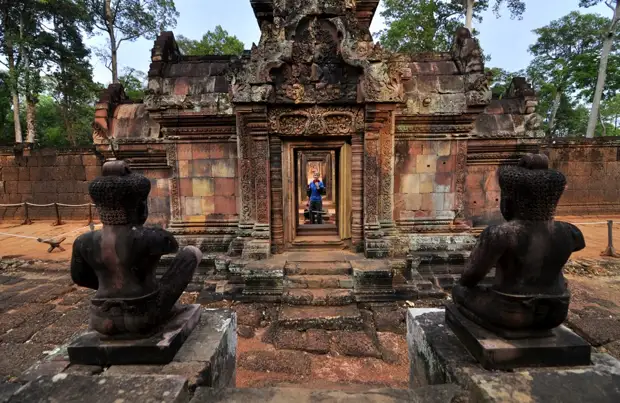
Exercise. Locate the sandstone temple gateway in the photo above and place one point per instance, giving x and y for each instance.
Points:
(408, 145)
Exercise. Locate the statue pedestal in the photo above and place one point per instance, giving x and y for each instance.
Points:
(94, 349)
(562, 348)
(437, 357)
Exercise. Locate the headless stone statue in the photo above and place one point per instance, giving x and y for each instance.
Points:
(529, 296)
(119, 261)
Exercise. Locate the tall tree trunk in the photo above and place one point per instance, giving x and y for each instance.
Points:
(31, 118)
(469, 14)
(14, 95)
(554, 110)
(13, 77)
(109, 19)
(602, 73)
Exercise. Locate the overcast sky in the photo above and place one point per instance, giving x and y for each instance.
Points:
(504, 39)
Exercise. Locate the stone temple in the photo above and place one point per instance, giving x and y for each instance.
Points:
(407, 145)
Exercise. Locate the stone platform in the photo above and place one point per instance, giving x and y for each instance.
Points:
(206, 359)
(562, 348)
(92, 348)
(437, 357)
(79, 388)
(433, 394)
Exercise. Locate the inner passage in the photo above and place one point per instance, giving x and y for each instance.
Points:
(316, 181)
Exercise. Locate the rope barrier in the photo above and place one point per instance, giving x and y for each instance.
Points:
(56, 206)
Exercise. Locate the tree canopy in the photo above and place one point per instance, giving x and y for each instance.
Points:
(216, 42)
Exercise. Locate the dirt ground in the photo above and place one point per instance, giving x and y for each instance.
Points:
(29, 248)
(594, 230)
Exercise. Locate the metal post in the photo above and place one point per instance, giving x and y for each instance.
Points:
(58, 220)
(27, 220)
(610, 251)
(90, 214)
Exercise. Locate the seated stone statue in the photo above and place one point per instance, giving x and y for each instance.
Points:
(119, 261)
(529, 295)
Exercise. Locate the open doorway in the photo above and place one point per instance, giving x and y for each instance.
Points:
(317, 194)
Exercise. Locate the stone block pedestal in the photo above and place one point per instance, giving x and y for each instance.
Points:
(206, 359)
(562, 348)
(94, 349)
(437, 357)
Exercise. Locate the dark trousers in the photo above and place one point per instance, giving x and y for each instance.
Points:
(316, 212)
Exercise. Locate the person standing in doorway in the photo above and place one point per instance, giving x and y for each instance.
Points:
(316, 189)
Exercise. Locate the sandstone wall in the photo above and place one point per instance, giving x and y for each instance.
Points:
(47, 176)
(208, 181)
(425, 179)
(592, 169)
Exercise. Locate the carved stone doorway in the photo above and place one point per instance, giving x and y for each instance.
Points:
(332, 158)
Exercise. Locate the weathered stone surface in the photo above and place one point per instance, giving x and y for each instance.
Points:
(356, 344)
(74, 388)
(92, 349)
(564, 348)
(288, 362)
(320, 317)
(43, 368)
(437, 357)
(390, 319)
(598, 384)
(6, 390)
(207, 358)
(434, 394)
(247, 332)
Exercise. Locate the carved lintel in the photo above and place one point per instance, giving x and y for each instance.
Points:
(316, 120)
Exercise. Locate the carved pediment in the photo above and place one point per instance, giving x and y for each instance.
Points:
(316, 52)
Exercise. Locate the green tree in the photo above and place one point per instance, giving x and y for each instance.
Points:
(128, 20)
(608, 43)
(610, 115)
(516, 7)
(6, 130)
(558, 52)
(501, 79)
(70, 80)
(216, 42)
(429, 25)
(134, 84)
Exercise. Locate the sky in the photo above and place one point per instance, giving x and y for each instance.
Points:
(504, 39)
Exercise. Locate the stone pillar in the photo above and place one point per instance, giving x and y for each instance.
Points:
(253, 240)
(379, 225)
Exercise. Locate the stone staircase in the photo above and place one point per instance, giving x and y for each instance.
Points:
(326, 283)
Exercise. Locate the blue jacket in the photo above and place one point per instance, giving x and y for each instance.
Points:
(315, 194)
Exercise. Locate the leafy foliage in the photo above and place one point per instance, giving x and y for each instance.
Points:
(128, 20)
(429, 25)
(217, 42)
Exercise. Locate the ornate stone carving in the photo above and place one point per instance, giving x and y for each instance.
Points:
(466, 52)
(315, 51)
(175, 201)
(461, 178)
(316, 121)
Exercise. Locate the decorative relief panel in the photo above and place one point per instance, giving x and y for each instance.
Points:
(316, 121)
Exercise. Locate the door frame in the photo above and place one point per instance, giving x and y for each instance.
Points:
(289, 190)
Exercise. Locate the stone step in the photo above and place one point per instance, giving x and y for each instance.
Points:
(319, 297)
(427, 394)
(318, 268)
(318, 281)
(346, 317)
(319, 341)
